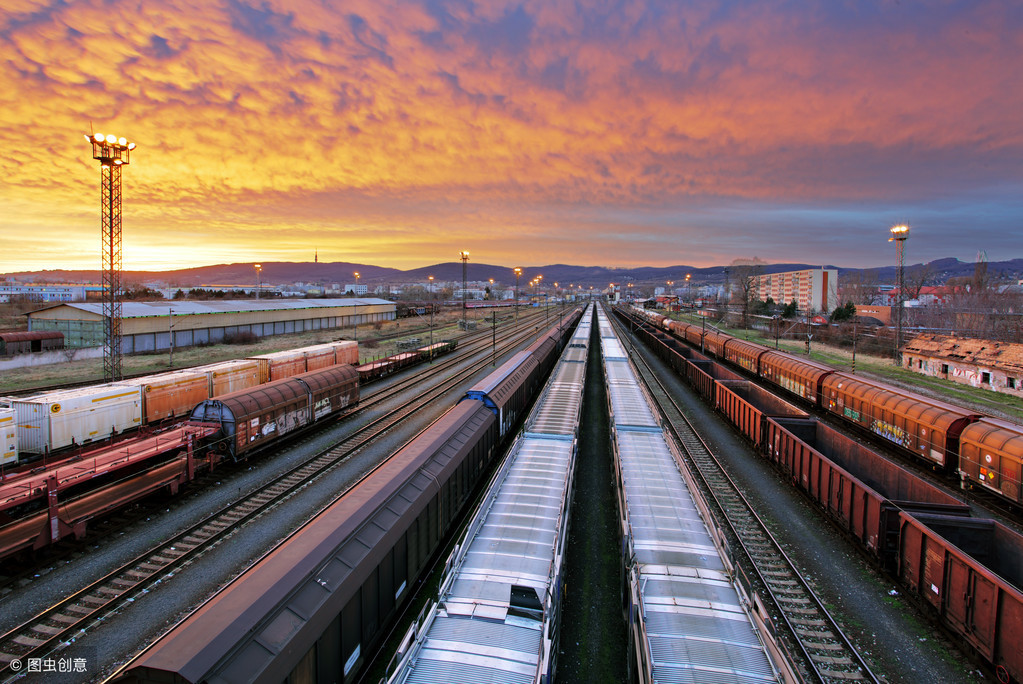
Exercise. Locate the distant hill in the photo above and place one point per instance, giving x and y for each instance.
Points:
(282, 273)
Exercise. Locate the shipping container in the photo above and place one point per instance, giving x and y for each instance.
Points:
(54, 420)
(231, 376)
(320, 356)
(170, 395)
(346, 351)
(8, 437)
(279, 365)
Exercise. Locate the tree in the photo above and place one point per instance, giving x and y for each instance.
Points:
(843, 313)
(745, 273)
(790, 310)
(859, 287)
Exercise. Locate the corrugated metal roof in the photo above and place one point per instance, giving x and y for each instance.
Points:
(186, 308)
(1002, 355)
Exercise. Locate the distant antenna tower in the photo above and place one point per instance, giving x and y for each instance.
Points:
(316, 256)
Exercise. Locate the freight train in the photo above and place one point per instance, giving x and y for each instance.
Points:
(670, 563)
(967, 572)
(496, 616)
(60, 420)
(341, 581)
(983, 451)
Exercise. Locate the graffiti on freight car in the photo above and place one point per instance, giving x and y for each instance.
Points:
(747, 364)
(322, 408)
(852, 414)
(794, 386)
(892, 433)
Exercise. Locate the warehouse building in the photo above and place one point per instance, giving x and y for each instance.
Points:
(147, 326)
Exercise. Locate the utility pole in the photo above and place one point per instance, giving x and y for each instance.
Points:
(464, 256)
(170, 319)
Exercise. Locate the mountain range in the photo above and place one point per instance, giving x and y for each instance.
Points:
(282, 273)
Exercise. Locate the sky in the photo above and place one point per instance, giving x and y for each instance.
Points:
(588, 132)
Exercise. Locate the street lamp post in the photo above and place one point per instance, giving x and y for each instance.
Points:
(518, 272)
(355, 301)
(170, 321)
(899, 235)
(431, 318)
(259, 278)
(464, 256)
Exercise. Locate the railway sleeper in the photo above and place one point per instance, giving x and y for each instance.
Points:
(63, 619)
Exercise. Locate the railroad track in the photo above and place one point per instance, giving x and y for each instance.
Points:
(15, 576)
(55, 627)
(828, 654)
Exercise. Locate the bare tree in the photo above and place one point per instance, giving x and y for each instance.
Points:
(916, 278)
(745, 273)
(859, 287)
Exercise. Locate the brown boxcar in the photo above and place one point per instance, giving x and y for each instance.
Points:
(694, 335)
(744, 354)
(860, 489)
(800, 377)
(969, 572)
(990, 453)
(714, 343)
(925, 427)
(255, 417)
(746, 404)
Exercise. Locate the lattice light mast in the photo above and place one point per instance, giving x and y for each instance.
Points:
(899, 235)
(112, 153)
(464, 256)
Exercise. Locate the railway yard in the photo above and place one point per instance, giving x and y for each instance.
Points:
(671, 507)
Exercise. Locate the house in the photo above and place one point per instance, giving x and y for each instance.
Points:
(989, 364)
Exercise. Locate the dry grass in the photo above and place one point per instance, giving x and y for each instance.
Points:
(371, 346)
(880, 368)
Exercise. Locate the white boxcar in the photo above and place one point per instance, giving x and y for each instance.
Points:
(8, 437)
(54, 420)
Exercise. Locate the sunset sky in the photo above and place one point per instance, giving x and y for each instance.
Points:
(590, 132)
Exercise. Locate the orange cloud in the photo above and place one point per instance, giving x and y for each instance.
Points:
(362, 126)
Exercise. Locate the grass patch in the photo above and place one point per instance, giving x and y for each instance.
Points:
(371, 347)
(879, 368)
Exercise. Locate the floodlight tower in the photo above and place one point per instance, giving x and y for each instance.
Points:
(899, 235)
(112, 153)
(518, 272)
(464, 256)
